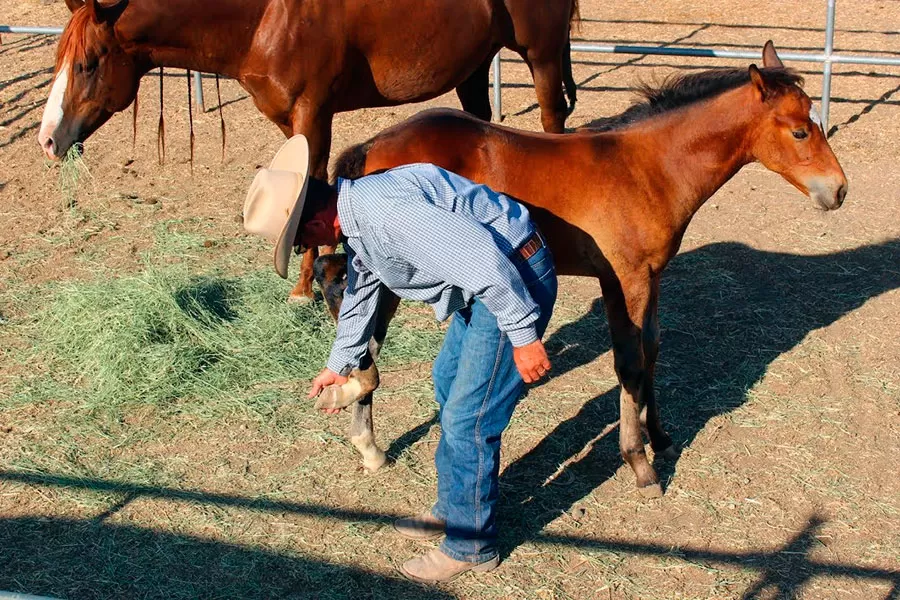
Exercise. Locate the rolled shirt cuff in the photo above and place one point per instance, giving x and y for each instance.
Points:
(340, 363)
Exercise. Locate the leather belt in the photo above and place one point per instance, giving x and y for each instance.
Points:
(529, 247)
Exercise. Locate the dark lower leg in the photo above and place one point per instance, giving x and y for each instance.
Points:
(473, 93)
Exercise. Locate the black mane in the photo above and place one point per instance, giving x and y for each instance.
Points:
(681, 90)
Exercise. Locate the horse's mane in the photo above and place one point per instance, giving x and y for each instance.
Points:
(678, 91)
(73, 40)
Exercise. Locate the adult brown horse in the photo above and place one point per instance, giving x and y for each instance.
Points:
(613, 205)
(302, 61)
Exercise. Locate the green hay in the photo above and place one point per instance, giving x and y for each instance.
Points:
(200, 343)
(71, 170)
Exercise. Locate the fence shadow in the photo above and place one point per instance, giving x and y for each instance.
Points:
(713, 301)
(93, 559)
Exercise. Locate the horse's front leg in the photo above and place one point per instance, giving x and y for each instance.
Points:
(660, 441)
(315, 123)
(627, 307)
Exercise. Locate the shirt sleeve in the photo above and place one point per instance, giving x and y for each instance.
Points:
(356, 321)
(461, 252)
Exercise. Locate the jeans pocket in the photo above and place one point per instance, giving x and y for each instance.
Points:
(537, 268)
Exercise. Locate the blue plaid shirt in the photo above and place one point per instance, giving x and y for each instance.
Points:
(434, 236)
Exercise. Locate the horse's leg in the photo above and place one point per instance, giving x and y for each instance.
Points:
(362, 433)
(660, 441)
(473, 92)
(315, 124)
(568, 78)
(547, 71)
(626, 311)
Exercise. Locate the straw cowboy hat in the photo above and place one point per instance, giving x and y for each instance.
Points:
(276, 197)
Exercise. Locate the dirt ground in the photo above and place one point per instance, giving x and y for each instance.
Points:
(779, 371)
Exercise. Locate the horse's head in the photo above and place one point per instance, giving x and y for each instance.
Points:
(94, 78)
(790, 139)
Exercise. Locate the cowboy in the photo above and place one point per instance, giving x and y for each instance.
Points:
(429, 235)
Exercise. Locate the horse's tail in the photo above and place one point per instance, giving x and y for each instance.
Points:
(351, 164)
(568, 79)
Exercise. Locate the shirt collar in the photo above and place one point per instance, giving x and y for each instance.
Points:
(349, 226)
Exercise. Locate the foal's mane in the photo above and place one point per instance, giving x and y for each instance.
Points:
(678, 91)
(73, 40)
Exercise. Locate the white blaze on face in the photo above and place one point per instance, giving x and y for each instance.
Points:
(814, 116)
(53, 111)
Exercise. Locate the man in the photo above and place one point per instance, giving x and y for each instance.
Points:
(429, 235)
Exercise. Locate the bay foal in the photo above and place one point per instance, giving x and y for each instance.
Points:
(615, 204)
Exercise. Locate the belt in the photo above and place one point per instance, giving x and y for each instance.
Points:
(529, 247)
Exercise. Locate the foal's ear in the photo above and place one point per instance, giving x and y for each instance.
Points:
(74, 4)
(758, 82)
(104, 12)
(770, 57)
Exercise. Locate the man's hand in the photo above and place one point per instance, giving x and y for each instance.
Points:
(324, 379)
(531, 361)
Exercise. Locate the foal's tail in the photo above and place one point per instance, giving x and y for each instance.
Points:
(351, 163)
(568, 79)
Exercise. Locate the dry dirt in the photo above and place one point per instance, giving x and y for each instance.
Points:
(778, 374)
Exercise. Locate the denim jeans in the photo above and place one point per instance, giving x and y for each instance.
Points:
(477, 387)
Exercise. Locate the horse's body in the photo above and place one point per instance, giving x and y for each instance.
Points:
(614, 205)
(302, 61)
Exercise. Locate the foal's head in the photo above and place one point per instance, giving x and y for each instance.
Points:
(790, 140)
(95, 77)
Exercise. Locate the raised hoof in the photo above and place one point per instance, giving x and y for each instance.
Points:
(374, 463)
(299, 300)
(670, 453)
(654, 490)
(334, 396)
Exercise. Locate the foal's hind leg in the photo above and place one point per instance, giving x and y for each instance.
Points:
(626, 308)
(362, 435)
(659, 439)
(473, 93)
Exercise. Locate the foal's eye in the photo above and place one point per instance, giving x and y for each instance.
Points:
(800, 134)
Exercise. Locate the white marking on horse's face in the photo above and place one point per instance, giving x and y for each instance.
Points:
(814, 115)
(53, 111)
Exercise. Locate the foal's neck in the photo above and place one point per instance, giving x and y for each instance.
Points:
(704, 145)
(212, 36)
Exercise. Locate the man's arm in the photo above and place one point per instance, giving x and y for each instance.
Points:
(356, 321)
(463, 253)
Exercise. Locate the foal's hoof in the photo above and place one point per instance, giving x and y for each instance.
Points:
(654, 490)
(670, 453)
(375, 462)
(299, 299)
(339, 396)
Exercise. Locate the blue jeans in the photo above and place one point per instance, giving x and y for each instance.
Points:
(477, 387)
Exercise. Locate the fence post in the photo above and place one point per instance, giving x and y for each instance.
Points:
(198, 92)
(826, 73)
(498, 105)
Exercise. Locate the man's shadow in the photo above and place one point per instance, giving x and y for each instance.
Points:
(727, 311)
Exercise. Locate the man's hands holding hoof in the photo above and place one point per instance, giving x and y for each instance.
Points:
(531, 361)
(324, 379)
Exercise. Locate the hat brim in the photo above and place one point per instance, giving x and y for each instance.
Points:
(292, 156)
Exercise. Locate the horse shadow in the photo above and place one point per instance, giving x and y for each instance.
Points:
(95, 559)
(727, 311)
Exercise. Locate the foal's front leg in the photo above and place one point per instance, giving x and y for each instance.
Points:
(626, 308)
(660, 441)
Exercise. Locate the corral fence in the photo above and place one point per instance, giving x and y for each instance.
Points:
(827, 57)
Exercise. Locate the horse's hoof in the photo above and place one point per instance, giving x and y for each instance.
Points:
(373, 463)
(654, 490)
(299, 300)
(670, 453)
